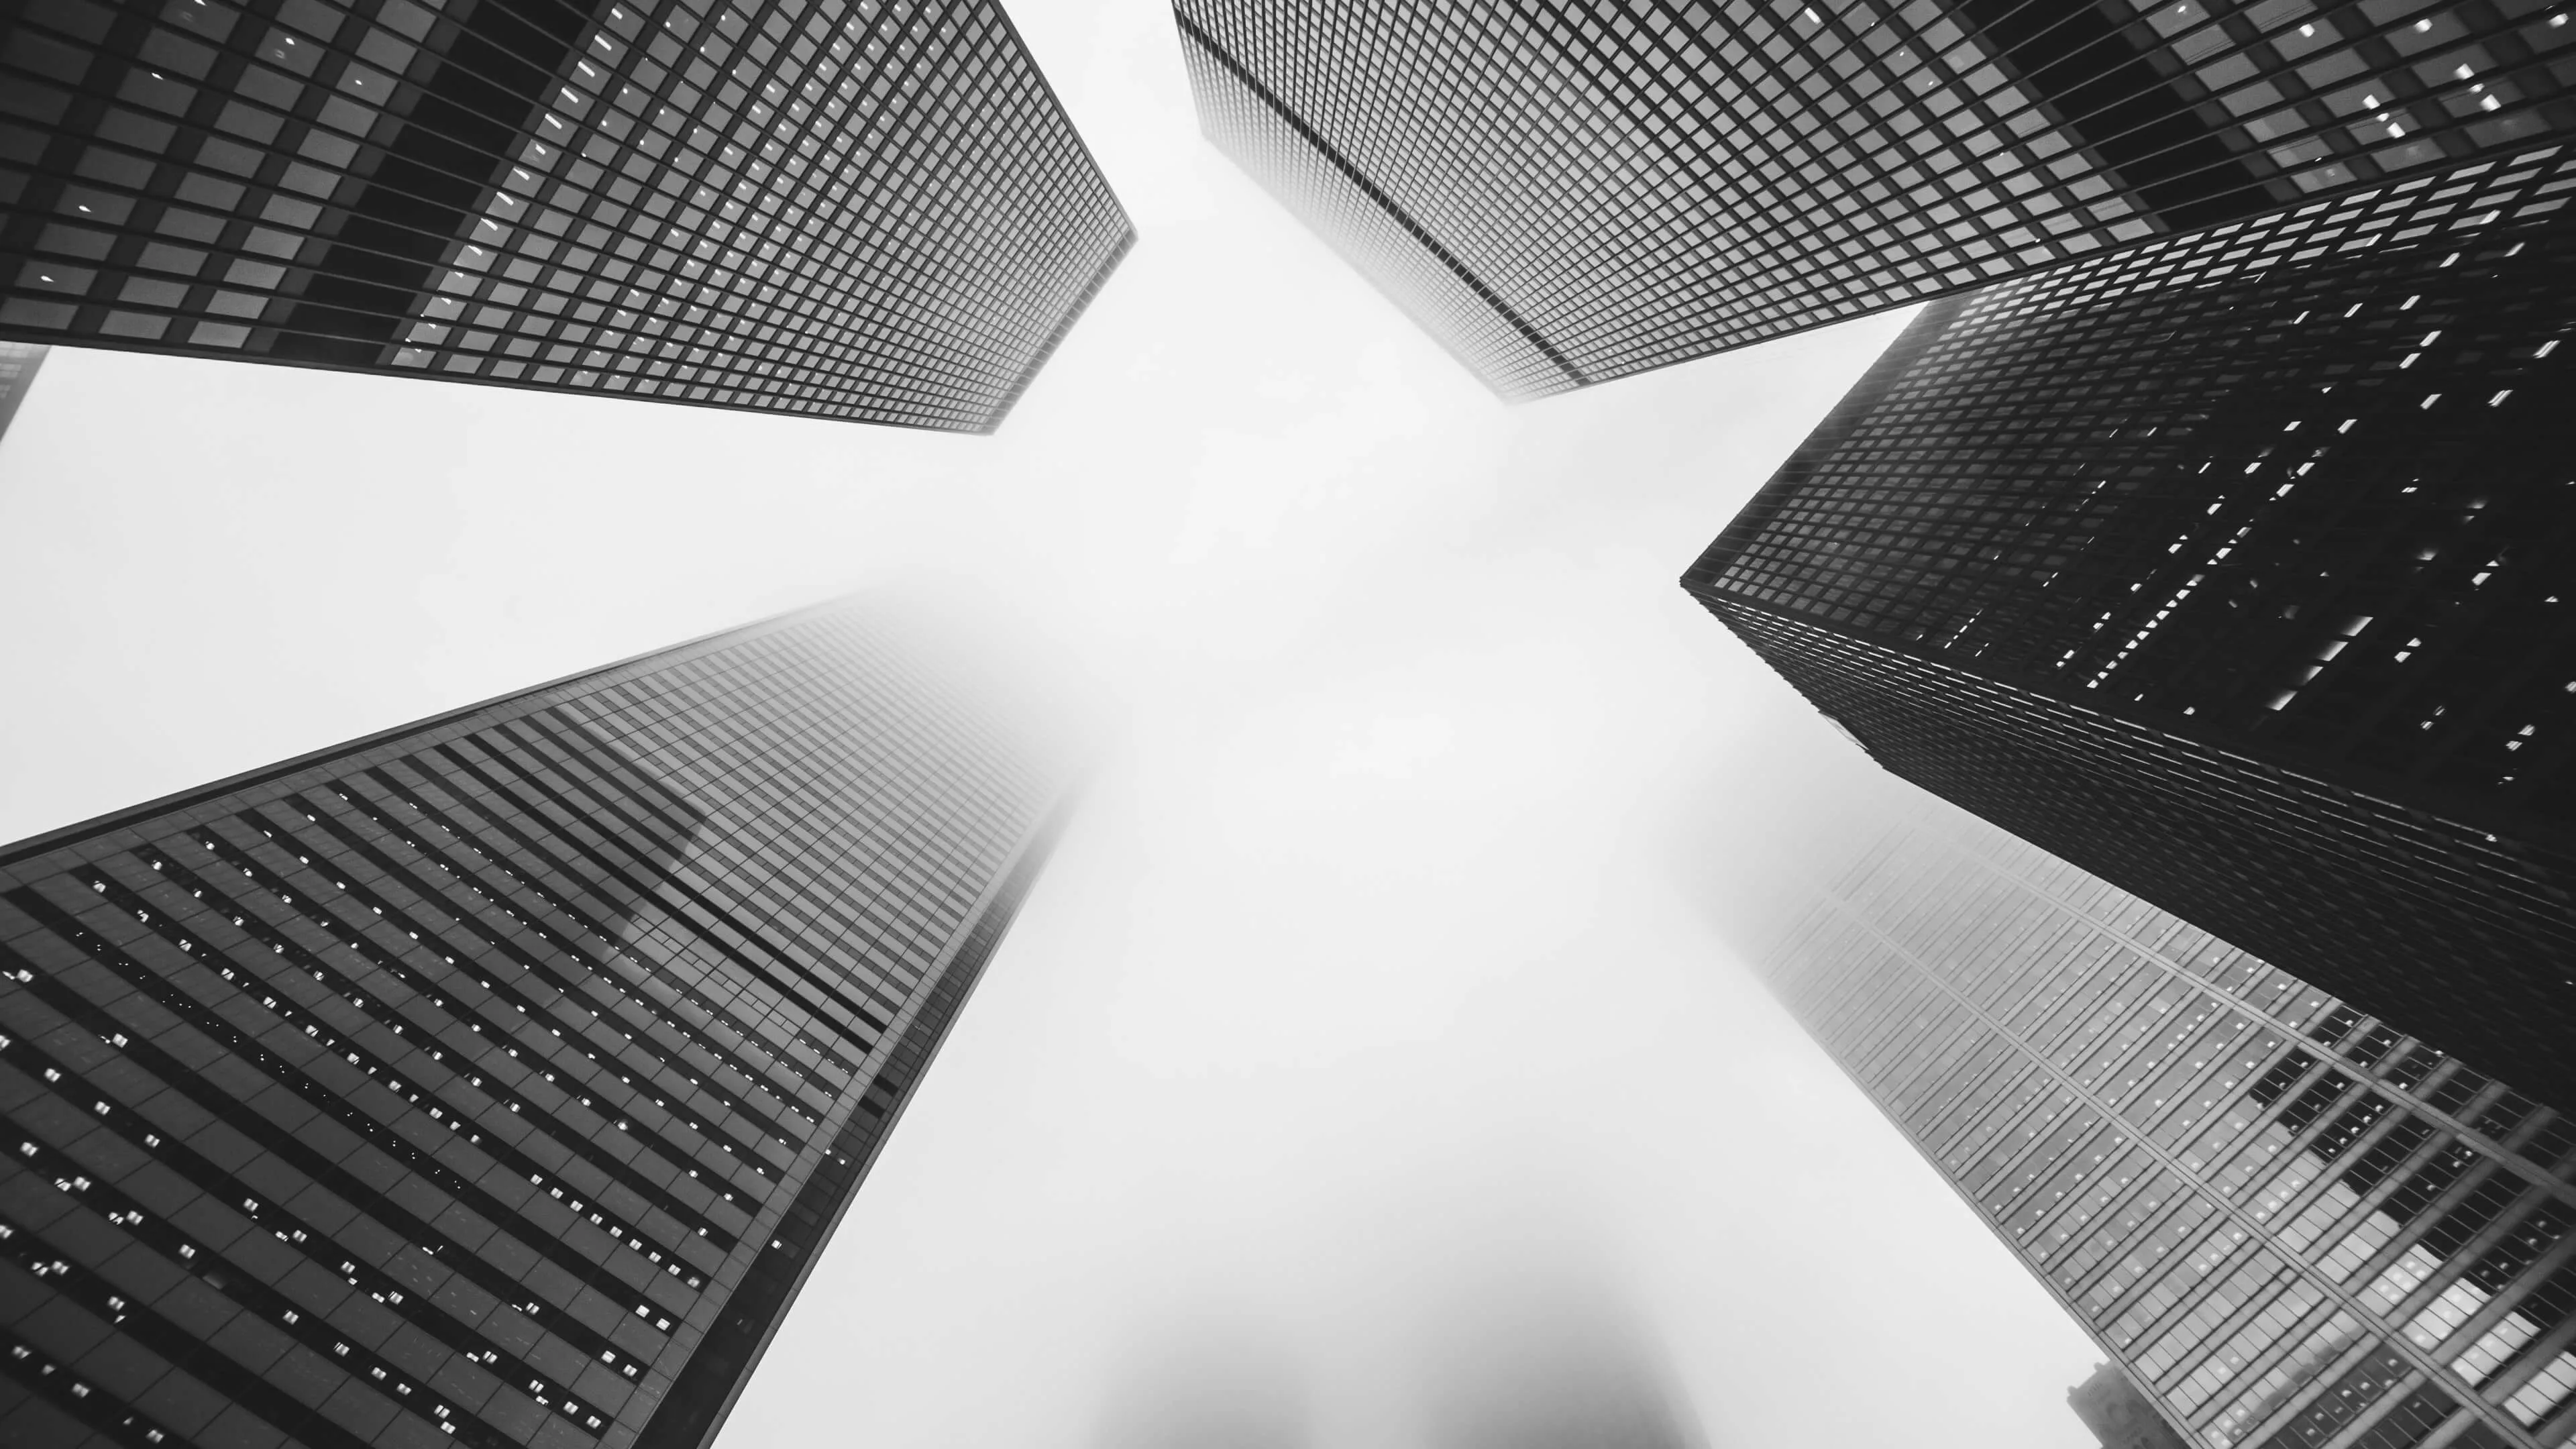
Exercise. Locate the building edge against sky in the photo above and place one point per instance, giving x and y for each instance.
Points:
(875, 212)
(1567, 193)
(2232, 568)
(18, 364)
(494, 1079)
(2294, 1226)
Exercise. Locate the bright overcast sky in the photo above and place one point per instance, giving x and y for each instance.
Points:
(1383, 947)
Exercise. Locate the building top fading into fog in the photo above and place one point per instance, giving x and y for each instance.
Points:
(497, 1079)
(2119, 1416)
(868, 211)
(1565, 193)
(2291, 1225)
(2234, 568)
(1541, 1357)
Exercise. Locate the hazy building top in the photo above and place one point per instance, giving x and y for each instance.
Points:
(2290, 1225)
(2119, 1416)
(1210, 1383)
(2234, 568)
(1547, 1358)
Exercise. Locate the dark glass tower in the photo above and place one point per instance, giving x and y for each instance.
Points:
(1566, 192)
(2237, 570)
(494, 1080)
(863, 209)
(2291, 1225)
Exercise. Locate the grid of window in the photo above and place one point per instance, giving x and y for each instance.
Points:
(2288, 478)
(2290, 1224)
(1626, 185)
(862, 209)
(498, 1078)
(2242, 557)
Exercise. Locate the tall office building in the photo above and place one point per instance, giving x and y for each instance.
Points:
(1565, 192)
(2292, 1225)
(2235, 570)
(18, 364)
(494, 1080)
(863, 209)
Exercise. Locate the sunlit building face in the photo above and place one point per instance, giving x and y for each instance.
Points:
(1566, 193)
(2290, 1224)
(494, 1080)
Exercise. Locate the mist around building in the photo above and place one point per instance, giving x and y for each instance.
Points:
(877, 721)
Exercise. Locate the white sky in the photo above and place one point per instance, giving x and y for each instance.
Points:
(1385, 936)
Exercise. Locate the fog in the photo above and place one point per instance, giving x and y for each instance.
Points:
(1393, 957)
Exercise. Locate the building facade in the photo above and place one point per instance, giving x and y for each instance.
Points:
(1566, 192)
(2290, 1224)
(2234, 569)
(872, 210)
(494, 1080)
(18, 364)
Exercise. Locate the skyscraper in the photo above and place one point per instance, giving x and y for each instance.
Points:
(2235, 569)
(18, 364)
(1567, 192)
(496, 1079)
(863, 209)
(2292, 1225)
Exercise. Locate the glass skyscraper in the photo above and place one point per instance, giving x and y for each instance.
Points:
(1566, 192)
(493, 1080)
(872, 210)
(2235, 568)
(2293, 1225)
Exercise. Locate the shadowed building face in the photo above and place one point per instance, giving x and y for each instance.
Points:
(834, 208)
(2235, 570)
(2119, 1416)
(1565, 193)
